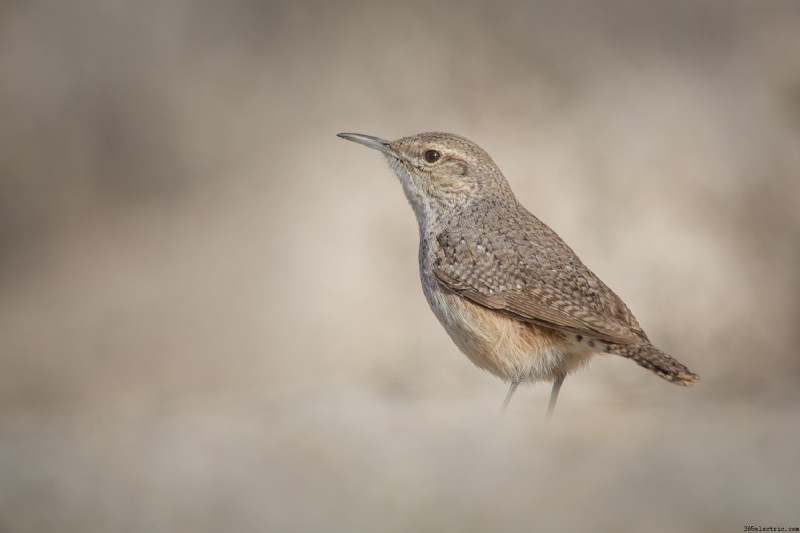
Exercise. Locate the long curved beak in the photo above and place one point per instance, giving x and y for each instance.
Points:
(369, 141)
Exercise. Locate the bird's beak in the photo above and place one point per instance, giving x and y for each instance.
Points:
(377, 143)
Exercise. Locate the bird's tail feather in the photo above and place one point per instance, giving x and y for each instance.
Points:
(653, 359)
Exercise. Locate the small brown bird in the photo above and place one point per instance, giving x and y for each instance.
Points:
(510, 293)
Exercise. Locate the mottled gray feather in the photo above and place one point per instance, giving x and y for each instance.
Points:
(509, 261)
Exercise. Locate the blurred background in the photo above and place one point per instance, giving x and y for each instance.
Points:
(210, 311)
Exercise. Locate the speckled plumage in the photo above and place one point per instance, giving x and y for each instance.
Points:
(511, 294)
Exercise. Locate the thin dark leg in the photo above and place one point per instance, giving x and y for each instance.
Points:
(511, 389)
(554, 395)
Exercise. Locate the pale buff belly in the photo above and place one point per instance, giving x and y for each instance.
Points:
(508, 348)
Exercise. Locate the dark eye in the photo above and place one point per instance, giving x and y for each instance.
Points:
(432, 156)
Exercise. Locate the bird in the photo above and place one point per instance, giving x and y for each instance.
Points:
(511, 294)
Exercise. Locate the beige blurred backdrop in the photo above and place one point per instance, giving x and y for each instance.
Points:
(210, 312)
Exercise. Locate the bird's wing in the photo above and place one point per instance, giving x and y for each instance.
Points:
(515, 273)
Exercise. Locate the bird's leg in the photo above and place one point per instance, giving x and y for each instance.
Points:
(511, 389)
(554, 395)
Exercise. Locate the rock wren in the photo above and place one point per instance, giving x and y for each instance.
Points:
(510, 293)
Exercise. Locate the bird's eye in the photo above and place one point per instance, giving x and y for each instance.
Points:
(432, 156)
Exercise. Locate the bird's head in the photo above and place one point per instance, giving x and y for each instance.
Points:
(441, 173)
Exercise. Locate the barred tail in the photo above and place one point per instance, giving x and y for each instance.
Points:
(655, 360)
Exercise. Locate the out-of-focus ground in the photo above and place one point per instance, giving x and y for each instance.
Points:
(210, 314)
